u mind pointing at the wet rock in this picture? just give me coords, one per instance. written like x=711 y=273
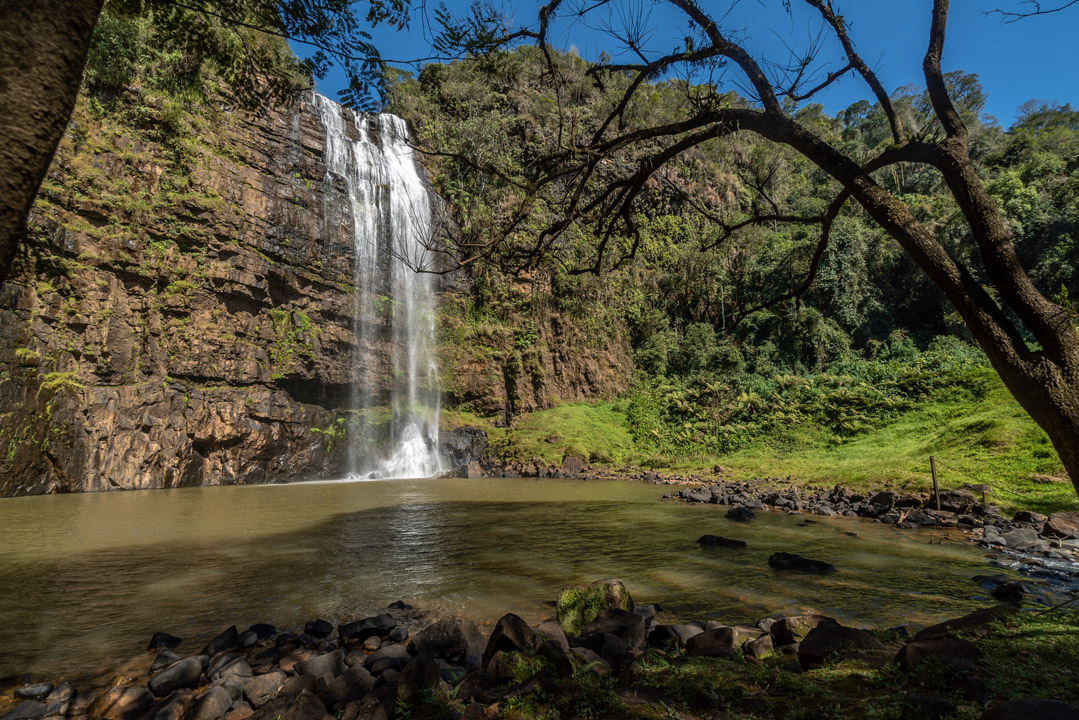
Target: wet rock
x=791 y=562
x=163 y=640
x=1032 y=709
x=59 y=701
x=122 y=703
x=248 y=639
x=510 y=634
x=556 y=657
x=962 y=654
x=1024 y=540
x=577 y=606
x=318 y=628
x=287 y=639
x=717 y=541
x=462 y=446
x=353 y=684
x=34 y=692
x=211 y=705
x=454 y=639
x=392 y=657
x=399 y=634
x=1064 y=525
x=740 y=513
x=261 y=689
x=829 y=640
x=1008 y=592
x=183 y=674
x=628 y=626
x=360 y=630
x=372 y=643
x=171 y=707
x=164 y=658
x=28 y=710
x=263 y=631
x=237 y=666
x=227 y=641
x=332 y=663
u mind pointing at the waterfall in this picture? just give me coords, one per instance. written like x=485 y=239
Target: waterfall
x=394 y=434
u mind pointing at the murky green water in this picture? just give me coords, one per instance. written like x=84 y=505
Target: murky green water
x=86 y=579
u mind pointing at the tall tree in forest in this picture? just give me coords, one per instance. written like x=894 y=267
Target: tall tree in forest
x=594 y=177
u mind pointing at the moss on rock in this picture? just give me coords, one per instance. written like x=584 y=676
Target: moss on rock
x=579 y=605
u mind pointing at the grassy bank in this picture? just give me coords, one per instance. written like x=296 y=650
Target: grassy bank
x=977 y=437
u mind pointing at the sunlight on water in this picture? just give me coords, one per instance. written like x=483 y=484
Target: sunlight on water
x=86 y=579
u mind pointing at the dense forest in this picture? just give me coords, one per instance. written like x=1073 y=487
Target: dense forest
x=734 y=337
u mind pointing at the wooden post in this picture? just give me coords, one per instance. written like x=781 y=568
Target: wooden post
x=936 y=490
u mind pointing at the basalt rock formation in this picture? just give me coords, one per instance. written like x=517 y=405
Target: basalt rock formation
x=182 y=313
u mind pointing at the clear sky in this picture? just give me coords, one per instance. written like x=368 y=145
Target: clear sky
x=1034 y=58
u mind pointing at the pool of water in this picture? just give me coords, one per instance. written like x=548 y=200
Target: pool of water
x=86 y=579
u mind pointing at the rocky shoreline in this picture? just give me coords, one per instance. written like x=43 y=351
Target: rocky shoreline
x=401 y=664
x=1041 y=547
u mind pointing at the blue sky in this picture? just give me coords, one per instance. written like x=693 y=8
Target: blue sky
x=1031 y=59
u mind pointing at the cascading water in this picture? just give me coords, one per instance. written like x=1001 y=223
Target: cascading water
x=394 y=435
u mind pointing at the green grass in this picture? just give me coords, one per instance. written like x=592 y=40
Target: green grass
x=985 y=438
x=990 y=440
x=594 y=432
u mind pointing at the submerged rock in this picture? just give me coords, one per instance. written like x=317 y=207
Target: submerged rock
x=717 y=541
x=796 y=563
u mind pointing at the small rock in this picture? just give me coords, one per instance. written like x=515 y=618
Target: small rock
x=454 y=639
x=711 y=643
x=213 y=704
x=28 y=710
x=830 y=639
x=353 y=684
x=34 y=692
x=1064 y=525
x=227 y=641
x=318 y=628
x=510 y=634
x=717 y=541
x=183 y=674
x=420 y=683
x=629 y=627
x=163 y=640
x=372 y=643
x=740 y=513
x=122 y=703
x=792 y=562
x=332 y=663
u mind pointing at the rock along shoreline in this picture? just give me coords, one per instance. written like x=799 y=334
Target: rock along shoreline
x=402 y=664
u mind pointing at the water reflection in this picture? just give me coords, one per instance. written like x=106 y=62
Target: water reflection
x=87 y=579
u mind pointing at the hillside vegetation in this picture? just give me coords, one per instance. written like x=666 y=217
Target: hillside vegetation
x=859 y=378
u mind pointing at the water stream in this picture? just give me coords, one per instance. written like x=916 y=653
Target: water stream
x=394 y=434
x=85 y=579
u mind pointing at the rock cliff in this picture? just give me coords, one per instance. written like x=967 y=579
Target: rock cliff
x=182 y=313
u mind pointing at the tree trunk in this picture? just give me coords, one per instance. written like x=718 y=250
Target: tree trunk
x=43 y=47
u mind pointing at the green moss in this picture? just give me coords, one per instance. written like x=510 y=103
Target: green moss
x=578 y=606
x=55 y=383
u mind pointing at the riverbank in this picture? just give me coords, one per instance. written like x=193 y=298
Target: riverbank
x=616 y=661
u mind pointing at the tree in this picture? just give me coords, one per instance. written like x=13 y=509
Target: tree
x=44 y=46
x=595 y=176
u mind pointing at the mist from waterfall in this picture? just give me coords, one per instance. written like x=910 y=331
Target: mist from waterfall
x=393 y=306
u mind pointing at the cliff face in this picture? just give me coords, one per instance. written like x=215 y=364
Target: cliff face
x=182 y=314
